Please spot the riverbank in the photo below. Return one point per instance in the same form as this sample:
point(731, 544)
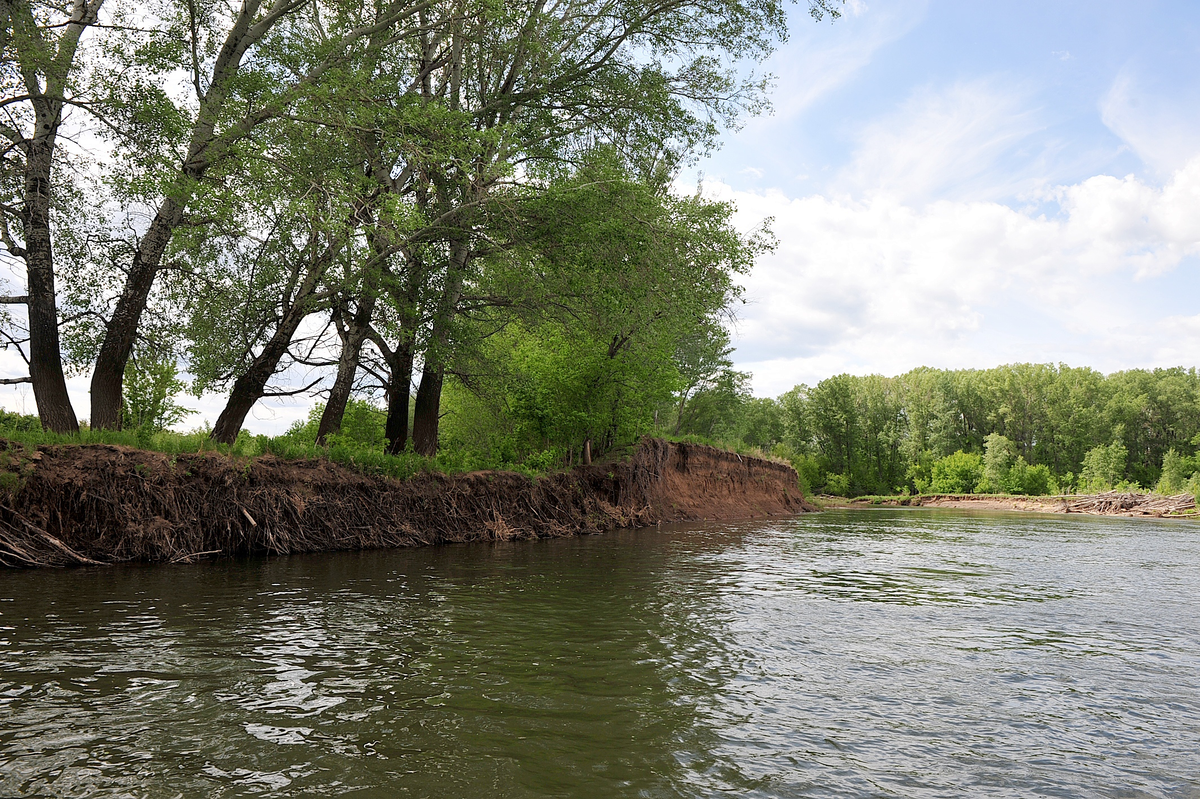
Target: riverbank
point(1111, 503)
point(98, 504)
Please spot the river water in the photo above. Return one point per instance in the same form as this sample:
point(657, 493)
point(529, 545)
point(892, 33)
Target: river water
point(907, 653)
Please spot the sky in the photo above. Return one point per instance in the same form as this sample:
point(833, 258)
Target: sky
point(955, 183)
point(965, 184)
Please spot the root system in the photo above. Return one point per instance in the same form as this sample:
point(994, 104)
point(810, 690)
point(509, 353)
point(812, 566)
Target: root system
point(97, 504)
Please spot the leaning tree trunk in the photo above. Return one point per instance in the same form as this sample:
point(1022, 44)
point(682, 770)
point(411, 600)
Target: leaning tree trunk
point(45, 354)
point(251, 386)
point(352, 343)
point(204, 148)
point(108, 373)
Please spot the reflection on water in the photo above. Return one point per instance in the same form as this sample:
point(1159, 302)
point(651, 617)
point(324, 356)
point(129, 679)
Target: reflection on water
point(869, 653)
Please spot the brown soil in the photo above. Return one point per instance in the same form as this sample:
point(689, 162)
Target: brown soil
point(99, 504)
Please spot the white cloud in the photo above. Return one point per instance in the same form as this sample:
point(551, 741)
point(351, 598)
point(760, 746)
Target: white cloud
point(881, 283)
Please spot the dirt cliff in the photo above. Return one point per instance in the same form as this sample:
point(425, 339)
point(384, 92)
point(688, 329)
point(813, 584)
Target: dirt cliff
point(97, 504)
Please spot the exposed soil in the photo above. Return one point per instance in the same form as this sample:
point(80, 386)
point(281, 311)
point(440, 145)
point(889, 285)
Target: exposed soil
point(1112, 503)
point(98, 504)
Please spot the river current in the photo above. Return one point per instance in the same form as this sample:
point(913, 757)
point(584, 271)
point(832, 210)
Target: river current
point(889, 653)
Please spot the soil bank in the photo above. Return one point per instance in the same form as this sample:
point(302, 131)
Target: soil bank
point(97, 504)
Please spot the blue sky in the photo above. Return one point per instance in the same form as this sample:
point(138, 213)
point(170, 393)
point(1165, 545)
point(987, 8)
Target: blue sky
point(963, 184)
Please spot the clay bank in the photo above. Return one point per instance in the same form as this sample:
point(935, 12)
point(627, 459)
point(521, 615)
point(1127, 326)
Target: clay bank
point(100, 504)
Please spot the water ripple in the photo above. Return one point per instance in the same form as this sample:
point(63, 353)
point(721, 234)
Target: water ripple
point(847, 654)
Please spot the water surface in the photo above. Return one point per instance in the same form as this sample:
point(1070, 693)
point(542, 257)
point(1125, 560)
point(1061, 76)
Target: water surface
point(907, 653)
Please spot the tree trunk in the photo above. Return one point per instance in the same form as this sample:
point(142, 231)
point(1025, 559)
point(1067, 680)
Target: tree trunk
point(202, 151)
point(339, 395)
point(45, 355)
point(108, 374)
point(427, 412)
point(399, 394)
point(249, 388)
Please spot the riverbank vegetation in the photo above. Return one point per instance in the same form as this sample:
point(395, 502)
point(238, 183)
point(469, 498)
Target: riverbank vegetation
point(462, 213)
point(1032, 429)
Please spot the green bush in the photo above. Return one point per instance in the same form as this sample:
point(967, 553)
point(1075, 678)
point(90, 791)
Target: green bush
point(959, 473)
point(1177, 472)
point(1104, 468)
point(837, 484)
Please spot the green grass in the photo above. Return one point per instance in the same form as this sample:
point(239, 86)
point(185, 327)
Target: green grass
point(363, 457)
point(27, 431)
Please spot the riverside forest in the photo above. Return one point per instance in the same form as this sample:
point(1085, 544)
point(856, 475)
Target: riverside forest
point(463, 205)
point(455, 224)
point(531, 533)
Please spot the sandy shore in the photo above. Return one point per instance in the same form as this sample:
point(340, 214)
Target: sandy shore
point(1108, 504)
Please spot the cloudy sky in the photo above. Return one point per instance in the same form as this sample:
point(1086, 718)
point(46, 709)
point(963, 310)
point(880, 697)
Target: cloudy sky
point(960, 183)
point(957, 183)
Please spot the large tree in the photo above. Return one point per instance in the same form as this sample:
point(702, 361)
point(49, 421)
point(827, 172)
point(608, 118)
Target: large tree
point(39, 45)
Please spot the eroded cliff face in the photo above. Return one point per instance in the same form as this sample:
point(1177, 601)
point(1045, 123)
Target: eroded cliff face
point(106, 504)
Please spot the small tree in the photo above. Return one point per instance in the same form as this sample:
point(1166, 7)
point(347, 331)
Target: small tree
point(151, 384)
point(1000, 456)
point(1103, 467)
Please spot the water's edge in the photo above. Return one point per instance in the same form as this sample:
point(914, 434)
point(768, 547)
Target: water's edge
point(103, 504)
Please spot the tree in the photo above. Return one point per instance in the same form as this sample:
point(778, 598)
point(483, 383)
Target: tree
point(1104, 467)
point(151, 383)
point(39, 48)
point(231, 97)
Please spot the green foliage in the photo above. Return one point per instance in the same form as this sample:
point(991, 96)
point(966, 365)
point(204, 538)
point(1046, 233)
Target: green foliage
point(1103, 467)
point(1178, 473)
point(151, 384)
point(1000, 475)
point(1033, 425)
point(837, 484)
point(11, 422)
point(959, 473)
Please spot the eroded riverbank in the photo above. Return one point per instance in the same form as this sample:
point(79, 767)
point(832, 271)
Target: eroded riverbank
point(96, 504)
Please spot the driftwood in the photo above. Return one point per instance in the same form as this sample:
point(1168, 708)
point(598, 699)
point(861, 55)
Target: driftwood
point(1116, 503)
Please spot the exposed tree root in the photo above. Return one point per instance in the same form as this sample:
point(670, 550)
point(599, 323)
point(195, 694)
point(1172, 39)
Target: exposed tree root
point(107, 504)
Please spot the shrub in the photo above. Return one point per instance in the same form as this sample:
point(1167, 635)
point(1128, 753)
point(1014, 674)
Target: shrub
point(1177, 472)
point(837, 484)
point(959, 473)
point(1103, 467)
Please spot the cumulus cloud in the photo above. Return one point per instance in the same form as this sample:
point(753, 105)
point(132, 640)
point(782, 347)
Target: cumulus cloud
point(879, 282)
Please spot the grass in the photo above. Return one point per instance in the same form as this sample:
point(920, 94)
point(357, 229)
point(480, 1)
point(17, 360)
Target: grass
point(27, 431)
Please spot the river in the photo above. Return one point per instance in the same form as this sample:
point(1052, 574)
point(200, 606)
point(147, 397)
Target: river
point(861, 653)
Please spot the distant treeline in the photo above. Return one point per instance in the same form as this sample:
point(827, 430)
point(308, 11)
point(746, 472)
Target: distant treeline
point(1020, 428)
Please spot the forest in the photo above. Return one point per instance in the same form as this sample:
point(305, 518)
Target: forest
point(458, 212)
point(1015, 429)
